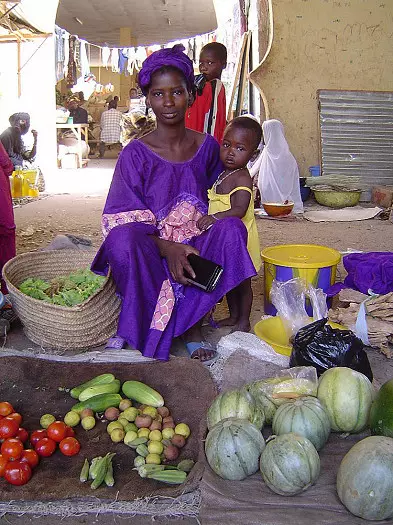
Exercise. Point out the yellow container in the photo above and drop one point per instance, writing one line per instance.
(17, 185)
(25, 187)
(33, 191)
(30, 176)
(314, 263)
(272, 331)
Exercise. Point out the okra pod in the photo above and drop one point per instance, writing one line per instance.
(142, 450)
(102, 467)
(93, 467)
(109, 479)
(84, 475)
(139, 461)
(145, 470)
(172, 477)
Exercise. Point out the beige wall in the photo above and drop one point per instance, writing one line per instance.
(322, 44)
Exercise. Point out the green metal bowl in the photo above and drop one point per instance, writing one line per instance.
(337, 199)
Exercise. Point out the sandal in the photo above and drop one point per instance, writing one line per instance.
(115, 343)
(193, 347)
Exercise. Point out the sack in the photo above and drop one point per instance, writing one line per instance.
(324, 347)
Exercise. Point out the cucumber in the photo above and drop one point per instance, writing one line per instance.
(98, 380)
(98, 403)
(106, 388)
(143, 394)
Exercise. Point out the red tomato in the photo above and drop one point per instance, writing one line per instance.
(22, 434)
(12, 449)
(57, 431)
(8, 428)
(6, 408)
(17, 473)
(70, 432)
(70, 446)
(45, 447)
(3, 463)
(31, 457)
(17, 417)
(37, 435)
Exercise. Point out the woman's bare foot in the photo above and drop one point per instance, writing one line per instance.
(241, 326)
(228, 321)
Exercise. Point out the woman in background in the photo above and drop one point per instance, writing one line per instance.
(7, 224)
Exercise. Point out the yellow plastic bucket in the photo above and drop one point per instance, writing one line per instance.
(272, 331)
(312, 262)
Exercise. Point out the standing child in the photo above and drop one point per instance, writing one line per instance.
(231, 196)
(207, 114)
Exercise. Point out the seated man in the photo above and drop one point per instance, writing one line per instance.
(110, 127)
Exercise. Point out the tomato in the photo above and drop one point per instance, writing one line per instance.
(45, 447)
(12, 449)
(70, 432)
(17, 473)
(70, 446)
(17, 417)
(37, 435)
(57, 431)
(31, 457)
(6, 408)
(22, 434)
(8, 428)
(3, 463)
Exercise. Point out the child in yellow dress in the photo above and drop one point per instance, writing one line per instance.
(232, 196)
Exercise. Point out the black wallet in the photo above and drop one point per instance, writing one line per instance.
(207, 273)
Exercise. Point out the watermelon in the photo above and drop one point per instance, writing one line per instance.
(381, 414)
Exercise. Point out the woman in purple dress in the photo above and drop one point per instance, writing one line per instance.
(158, 193)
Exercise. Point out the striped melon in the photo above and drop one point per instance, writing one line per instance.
(233, 448)
(305, 416)
(347, 396)
(235, 403)
(289, 464)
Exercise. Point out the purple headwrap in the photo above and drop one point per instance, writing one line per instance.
(166, 57)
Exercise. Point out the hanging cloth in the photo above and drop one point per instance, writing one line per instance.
(123, 58)
(106, 54)
(84, 62)
(115, 60)
(71, 73)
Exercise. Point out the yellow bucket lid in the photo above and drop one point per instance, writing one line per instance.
(301, 255)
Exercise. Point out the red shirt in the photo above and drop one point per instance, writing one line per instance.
(208, 112)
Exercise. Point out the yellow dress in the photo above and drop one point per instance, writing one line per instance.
(222, 202)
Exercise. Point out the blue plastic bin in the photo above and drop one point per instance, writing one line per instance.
(315, 171)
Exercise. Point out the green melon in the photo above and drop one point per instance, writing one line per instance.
(365, 479)
(233, 447)
(235, 403)
(268, 407)
(305, 416)
(381, 413)
(289, 464)
(347, 396)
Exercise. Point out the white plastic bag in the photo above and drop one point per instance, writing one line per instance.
(289, 299)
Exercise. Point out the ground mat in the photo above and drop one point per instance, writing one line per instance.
(36, 386)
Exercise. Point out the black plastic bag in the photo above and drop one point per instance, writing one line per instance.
(322, 346)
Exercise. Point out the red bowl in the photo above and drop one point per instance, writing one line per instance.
(277, 209)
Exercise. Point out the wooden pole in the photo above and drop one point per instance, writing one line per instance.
(19, 69)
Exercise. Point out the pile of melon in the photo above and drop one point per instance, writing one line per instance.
(289, 462)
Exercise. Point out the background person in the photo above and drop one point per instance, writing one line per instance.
(110, 127)
(208, 111)
(7, 224)
(12, 140)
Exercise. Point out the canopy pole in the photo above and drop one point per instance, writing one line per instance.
(19, 68)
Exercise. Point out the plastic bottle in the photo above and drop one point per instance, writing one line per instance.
(17, 183)
(25, 186)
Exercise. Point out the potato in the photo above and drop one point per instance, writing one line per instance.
(124, 404)
(163, 411)
(171, 452)
(156, 425)
(111, 413)
(169, 424)
(168, 419)
(87, 412)
(178, 441)
(143, 421)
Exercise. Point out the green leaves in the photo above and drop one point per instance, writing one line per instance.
(71, 290)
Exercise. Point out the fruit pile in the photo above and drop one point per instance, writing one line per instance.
(16, 462)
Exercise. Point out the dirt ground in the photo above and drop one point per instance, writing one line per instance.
(75, 207)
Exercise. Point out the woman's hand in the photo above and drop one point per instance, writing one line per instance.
(205, 221)
(176, 255)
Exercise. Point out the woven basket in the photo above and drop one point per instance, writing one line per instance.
(78, 327)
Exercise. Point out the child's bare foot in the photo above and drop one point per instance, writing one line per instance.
(241, 326)
(228, 321)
